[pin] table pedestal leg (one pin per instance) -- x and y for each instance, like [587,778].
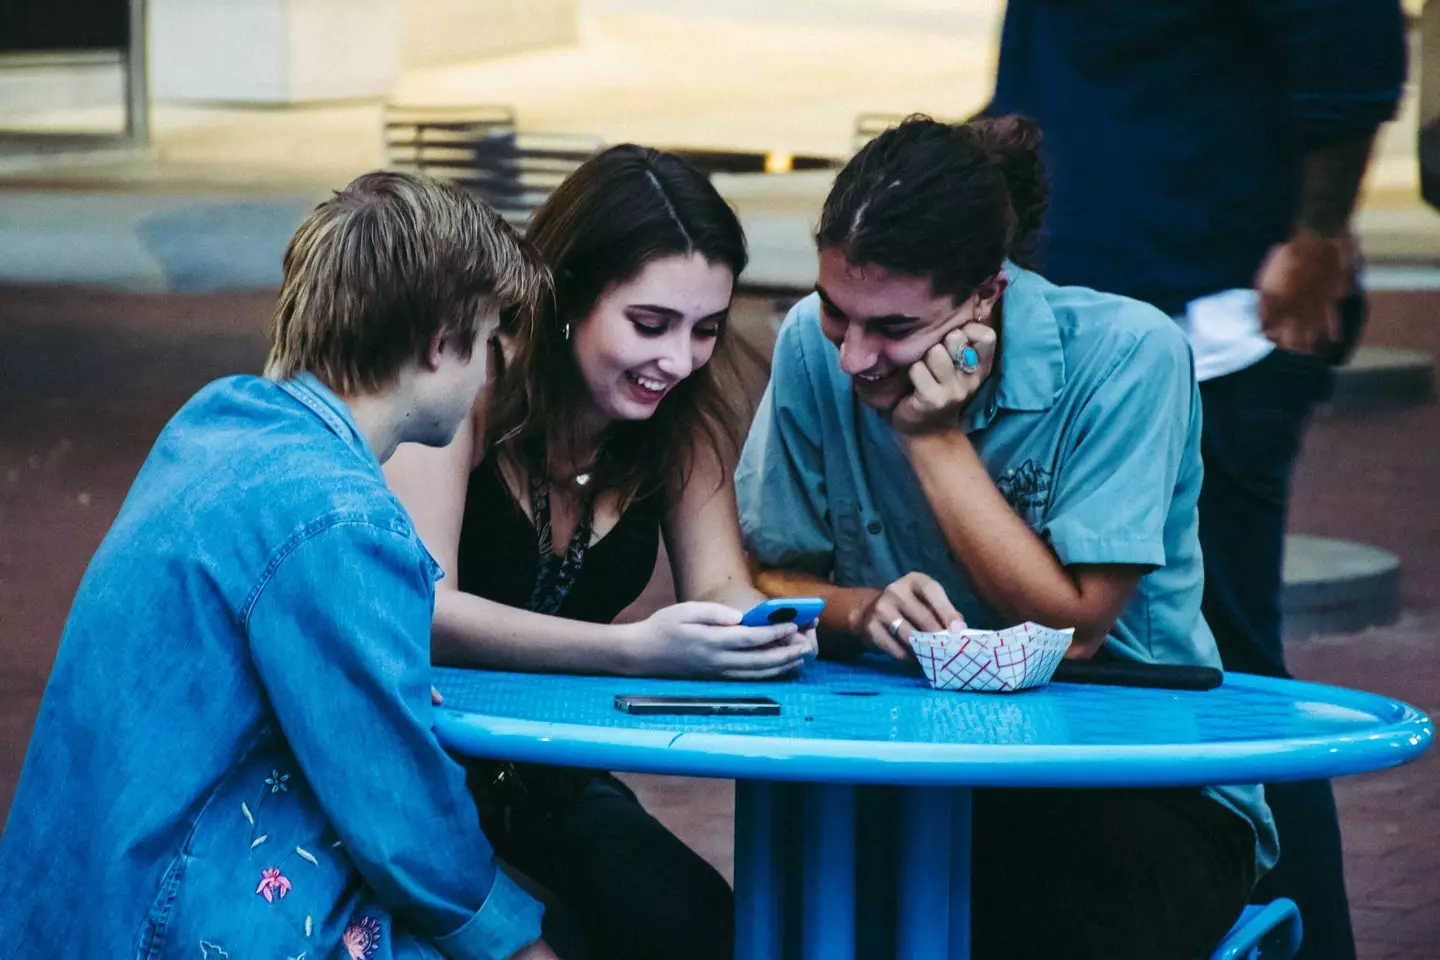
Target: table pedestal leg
[828,911]
[933,913]
[923,901]
[759,879]
[960,831]
[932,918]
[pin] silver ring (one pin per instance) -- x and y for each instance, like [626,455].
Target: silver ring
[967,359]
[895,626]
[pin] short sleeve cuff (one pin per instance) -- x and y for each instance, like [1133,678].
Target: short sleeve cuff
[1324,119]
[1074,544]
[505,924]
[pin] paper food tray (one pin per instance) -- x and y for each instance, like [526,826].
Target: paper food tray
[991,661]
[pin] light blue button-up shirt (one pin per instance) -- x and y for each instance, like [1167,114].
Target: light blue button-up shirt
[1090,430]
[234,755]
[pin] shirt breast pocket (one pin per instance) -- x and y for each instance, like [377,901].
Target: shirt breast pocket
[852,550]
[930,548]
[1027,487]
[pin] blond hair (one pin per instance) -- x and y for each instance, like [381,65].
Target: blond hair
[383,266]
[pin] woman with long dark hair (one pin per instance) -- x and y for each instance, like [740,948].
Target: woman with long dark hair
[606,428]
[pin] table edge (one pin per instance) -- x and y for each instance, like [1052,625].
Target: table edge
[748,756]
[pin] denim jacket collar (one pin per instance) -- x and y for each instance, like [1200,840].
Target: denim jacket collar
[332,411]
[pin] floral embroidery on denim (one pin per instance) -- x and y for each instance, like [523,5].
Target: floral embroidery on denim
[272,883]
[208,951]
[361,938]
[276,781]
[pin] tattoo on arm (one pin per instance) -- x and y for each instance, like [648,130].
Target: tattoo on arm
[1330,185]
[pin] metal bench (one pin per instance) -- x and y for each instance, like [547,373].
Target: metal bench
[868,126]
[481,149]
[713,161]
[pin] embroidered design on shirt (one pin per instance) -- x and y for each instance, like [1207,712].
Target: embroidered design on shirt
[1025,487]
[273,885]
[362,938]
[276,781]
[208,951]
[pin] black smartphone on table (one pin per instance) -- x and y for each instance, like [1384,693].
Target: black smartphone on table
[1133,673]
[698,706]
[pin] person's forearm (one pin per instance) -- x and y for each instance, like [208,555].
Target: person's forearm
[844,606]
[1008,565]
[1330,185]
[737,592]
[470,631]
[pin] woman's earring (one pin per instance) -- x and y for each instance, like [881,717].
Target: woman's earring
[567,331]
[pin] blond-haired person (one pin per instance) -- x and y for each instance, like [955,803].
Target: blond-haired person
[234,756]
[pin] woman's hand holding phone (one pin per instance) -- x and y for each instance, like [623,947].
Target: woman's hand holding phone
[708,640]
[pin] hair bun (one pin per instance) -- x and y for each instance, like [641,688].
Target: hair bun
[1013,144]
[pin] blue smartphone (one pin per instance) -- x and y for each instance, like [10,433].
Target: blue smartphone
[803,611]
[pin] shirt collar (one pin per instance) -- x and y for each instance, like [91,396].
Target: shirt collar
[332,411]
[1032,359]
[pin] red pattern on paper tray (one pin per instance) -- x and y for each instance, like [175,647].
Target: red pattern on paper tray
[992,661]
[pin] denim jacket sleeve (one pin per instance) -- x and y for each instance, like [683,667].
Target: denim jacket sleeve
[339,632]
[1342,63]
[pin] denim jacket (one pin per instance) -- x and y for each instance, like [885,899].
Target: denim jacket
[234,758]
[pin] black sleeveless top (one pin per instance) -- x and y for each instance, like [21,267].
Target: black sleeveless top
[499,557]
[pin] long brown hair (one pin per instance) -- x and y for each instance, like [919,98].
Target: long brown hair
[620,210]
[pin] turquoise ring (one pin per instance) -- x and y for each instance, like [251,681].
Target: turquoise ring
[967,360]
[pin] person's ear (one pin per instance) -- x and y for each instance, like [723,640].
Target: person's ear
[988,295]
[435,352]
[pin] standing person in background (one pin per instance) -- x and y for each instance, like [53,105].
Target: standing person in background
[1206,157]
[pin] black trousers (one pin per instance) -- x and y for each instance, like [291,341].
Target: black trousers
[615,882]
[1254,421]
[1116,874]
[1077,874]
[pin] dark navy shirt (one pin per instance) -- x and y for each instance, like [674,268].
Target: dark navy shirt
[1174,131]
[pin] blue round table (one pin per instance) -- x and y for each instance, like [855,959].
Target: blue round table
[878,722]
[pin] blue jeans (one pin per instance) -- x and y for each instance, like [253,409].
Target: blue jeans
[1254,421]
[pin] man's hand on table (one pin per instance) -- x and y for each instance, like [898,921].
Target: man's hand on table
[913,603]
